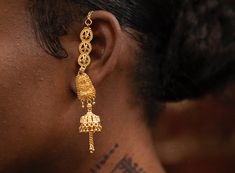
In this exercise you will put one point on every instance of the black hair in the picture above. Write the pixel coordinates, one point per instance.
(188, 45)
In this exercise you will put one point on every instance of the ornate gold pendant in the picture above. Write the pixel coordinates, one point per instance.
(89, 123)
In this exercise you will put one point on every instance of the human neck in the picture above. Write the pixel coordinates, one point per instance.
(125, 144)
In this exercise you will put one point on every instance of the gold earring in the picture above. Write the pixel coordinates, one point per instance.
(89, 123)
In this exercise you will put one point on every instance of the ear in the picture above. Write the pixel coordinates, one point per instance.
(106, 45)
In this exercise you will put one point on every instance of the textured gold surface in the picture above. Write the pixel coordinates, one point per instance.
(86, 34)
(85, 90)
(89, 123)
(91, 142)
(85, 47)
(84, 60)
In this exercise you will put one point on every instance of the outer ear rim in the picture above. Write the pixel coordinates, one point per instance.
(97, 14)
(97, 76)
(109, 61)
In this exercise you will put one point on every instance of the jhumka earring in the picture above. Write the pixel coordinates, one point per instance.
(89, 123)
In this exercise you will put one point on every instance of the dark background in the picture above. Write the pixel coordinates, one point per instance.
(198, 136)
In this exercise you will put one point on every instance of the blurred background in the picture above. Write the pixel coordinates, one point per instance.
(198, 136)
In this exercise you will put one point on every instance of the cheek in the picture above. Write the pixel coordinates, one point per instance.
(34, 96)
(34, 92)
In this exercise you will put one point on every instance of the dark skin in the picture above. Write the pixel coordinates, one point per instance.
(39, 111)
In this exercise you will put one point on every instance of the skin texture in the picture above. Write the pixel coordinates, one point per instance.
(39, 112)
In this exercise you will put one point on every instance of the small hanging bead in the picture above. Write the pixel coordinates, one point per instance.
(89, 107)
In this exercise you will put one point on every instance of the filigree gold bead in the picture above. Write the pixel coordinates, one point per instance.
(84, 60)
(85, 48)
(86, 34)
